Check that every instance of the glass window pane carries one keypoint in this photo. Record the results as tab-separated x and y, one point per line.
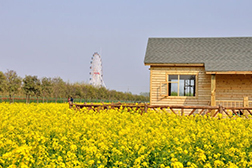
173	89
181	88
187	85
173	78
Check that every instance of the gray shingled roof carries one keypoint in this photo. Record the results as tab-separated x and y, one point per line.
217	54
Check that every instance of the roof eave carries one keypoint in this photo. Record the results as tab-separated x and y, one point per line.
228	72
174	64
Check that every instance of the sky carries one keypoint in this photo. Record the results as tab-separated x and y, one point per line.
57	38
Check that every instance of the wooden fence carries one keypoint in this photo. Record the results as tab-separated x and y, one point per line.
178	110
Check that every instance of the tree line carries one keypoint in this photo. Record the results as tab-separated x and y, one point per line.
12	84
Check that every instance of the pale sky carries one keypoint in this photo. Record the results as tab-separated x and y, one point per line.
57	38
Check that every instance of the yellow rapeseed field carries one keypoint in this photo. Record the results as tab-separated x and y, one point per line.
52	135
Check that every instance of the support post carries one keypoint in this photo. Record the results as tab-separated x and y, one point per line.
213	91
145	108
245	104
220	109
182	112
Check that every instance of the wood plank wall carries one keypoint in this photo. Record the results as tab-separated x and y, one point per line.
233	87
158	75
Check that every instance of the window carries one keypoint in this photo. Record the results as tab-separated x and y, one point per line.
179	85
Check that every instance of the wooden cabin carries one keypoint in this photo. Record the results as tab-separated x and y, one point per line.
200	71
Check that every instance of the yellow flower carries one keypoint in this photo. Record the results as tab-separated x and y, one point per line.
177	165
73	148
218	163
50	135
91	162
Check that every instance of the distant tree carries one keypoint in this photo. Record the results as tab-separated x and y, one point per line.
59	88
129	96
28	86
31	86
91	94
77	90
2	82
103	93
68	89
112	95
13	83
142	98
46	88
146	94
84	91
37	89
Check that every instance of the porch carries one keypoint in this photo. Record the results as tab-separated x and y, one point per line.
231	90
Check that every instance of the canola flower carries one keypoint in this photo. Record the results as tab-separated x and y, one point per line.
52	135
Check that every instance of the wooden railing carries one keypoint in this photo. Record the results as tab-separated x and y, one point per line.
178	110
235	103
230	103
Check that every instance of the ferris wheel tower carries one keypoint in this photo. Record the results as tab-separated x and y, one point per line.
96	74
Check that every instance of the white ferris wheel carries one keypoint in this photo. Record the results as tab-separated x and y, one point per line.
96	74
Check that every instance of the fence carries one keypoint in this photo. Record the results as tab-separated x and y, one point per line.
178	110
22	99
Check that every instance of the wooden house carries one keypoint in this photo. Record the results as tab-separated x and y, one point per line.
200	71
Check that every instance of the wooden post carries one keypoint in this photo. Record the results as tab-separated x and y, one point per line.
245	104
182	112
145	108
213	92
213	89
220	109
150	86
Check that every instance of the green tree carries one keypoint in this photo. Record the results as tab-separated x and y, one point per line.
59	88
37	89
68	89
13	83
91	93
145	94
31	86
84	91
46	88
78	91
111	95
2	82
103	93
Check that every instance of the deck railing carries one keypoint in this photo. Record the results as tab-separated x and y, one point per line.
178	110
235	103
230	103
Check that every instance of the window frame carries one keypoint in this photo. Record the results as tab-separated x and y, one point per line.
179	73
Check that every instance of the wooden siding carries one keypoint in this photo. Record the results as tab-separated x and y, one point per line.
233	87
159	75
